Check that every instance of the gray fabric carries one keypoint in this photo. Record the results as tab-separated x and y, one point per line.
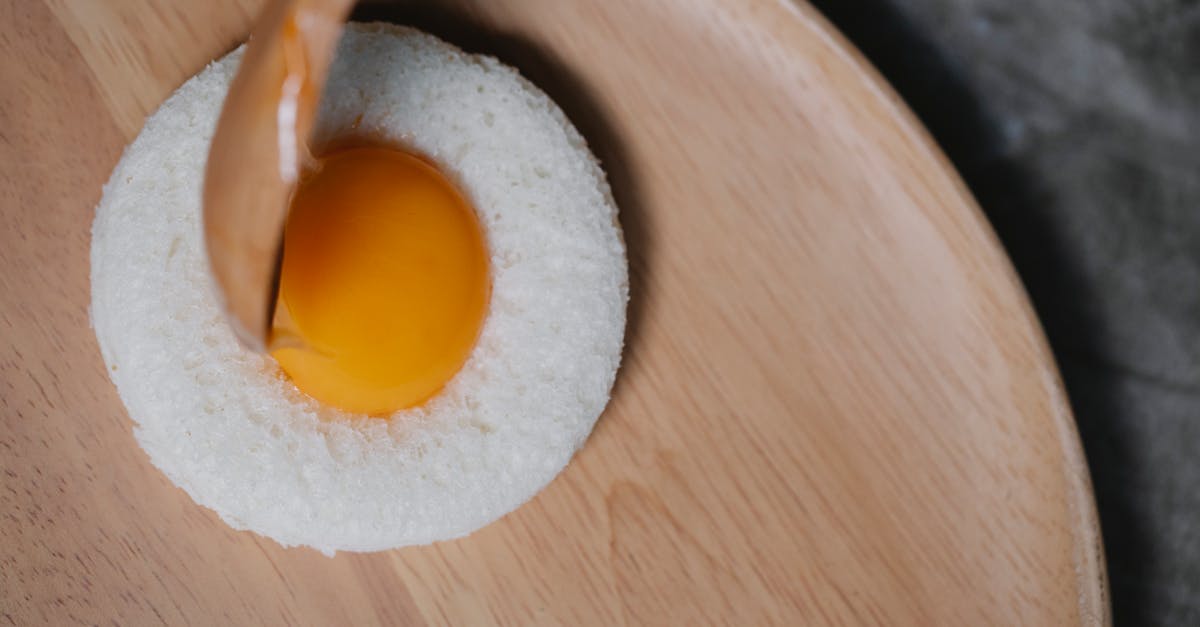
1077	125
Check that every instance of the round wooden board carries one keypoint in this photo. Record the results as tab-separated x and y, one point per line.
836	405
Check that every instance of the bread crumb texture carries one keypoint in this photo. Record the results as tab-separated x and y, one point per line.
225	425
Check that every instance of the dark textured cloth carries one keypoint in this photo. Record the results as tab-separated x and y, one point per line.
1077	125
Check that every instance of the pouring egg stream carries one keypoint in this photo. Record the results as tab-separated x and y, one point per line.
383	284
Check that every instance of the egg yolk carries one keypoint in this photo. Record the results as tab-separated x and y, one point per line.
384	283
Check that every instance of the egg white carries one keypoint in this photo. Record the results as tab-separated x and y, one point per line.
227	426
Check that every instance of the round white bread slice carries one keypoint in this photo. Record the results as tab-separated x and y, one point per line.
227	426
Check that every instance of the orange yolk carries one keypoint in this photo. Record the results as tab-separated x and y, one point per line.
384	284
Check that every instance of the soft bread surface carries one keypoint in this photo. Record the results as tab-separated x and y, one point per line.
226	426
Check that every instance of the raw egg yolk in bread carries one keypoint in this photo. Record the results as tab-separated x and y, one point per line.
384	283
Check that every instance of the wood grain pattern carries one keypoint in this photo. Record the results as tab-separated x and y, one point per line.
836	405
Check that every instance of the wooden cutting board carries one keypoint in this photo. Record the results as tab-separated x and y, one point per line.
836	405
